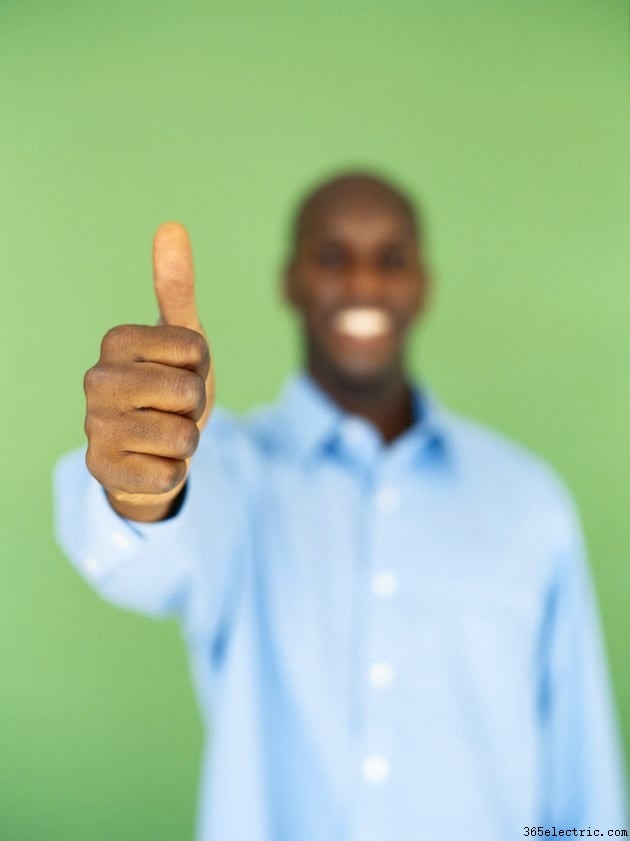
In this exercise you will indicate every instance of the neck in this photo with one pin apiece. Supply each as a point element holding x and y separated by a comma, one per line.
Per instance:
<point>387,403</point>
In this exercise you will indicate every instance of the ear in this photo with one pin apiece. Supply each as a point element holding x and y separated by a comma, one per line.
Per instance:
<point>289,286</point>
<point>425,289</point>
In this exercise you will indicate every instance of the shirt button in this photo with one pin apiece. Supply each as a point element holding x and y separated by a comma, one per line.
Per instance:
<point>380,674</point>
<point>92,566</point>
<point>375,769</point>
<point>384,584</point>
<point>121,540</point>
<point>387,499</point>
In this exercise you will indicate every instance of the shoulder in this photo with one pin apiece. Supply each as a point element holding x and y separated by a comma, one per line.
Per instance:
<point>508,474</point>
<point>477,443</point>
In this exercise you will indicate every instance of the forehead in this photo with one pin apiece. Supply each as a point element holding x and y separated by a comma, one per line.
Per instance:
<point>359,223</point>
<point>359,227</point>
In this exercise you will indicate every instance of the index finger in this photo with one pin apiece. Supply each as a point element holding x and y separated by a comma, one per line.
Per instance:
<point>179,347</point>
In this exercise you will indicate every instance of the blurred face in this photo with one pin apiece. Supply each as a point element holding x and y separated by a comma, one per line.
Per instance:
<point>357,283</point>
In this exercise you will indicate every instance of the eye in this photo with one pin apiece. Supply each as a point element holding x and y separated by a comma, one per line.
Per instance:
<point>393,258</point>
<point>330,256</point>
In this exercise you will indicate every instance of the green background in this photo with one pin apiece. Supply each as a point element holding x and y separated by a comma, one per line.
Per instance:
<point>507,120</point>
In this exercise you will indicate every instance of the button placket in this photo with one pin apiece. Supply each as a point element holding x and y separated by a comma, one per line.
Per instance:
<point>379,673</point>
<point>387,499</point>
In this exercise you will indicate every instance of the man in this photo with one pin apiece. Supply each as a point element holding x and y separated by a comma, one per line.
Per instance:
<point>388,608</point>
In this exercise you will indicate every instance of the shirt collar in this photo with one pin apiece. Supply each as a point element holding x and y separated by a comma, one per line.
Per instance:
<point>313,420</point>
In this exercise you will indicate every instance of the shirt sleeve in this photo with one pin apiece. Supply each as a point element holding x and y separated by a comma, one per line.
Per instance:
<point>583,771</point>
<point>187,566</point>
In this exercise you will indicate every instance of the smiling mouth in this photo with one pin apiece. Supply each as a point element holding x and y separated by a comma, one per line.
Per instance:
<point>363,322</point>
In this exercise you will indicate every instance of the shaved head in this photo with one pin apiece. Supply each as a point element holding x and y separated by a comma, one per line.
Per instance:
<point>355,192</point>
<point>355,276</point>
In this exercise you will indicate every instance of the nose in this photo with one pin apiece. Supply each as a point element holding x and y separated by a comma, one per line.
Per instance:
<point>364,285</point>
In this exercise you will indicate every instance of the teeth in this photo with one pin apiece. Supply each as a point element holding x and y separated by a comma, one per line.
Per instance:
<point>363,322</point>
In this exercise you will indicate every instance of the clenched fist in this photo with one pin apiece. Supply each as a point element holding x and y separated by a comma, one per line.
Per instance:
<point>151,392</point>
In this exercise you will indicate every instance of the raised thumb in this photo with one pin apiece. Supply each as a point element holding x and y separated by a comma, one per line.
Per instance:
<point>174,277</point>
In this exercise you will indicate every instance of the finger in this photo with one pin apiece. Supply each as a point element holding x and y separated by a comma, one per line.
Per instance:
<point>174,277</point>
<point>115,389</point>
<point>159,434</point>
<point>138,473</point>
<point>179,347</point>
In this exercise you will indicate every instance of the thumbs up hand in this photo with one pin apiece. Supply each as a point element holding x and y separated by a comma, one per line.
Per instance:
<point>174,284</point>
<point>151,392</point>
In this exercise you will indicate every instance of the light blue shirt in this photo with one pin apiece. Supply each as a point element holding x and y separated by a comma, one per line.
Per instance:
<point>391,642</point>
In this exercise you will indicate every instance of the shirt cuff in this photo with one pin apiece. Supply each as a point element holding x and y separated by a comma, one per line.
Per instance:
<point>114,542</point>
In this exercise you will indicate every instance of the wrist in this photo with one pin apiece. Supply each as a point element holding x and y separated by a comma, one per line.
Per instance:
<point>147,508</point>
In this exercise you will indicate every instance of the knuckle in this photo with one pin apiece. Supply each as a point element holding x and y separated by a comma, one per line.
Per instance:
<point>189,345</point>
<point>89,460</point>
<point>199,350</point>
<point>170,474</point>
<point>98,379</point>
<point>192,390</point>
<point>93,462</point>
<point>89,379</point>
<point>111,340</point>
<point>89,426</point>
<point>186,438</point>
<point>117,337</point>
